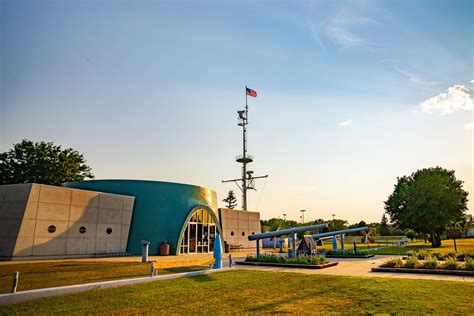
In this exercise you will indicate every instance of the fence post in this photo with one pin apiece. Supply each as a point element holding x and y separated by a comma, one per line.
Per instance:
<point>16,274</point>
<point>230,260</point>
<point>152,268</point>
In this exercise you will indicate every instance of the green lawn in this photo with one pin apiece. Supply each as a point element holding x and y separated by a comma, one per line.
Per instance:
<point>48,274</point>
<point>463,245</point>
<point>246,291</point>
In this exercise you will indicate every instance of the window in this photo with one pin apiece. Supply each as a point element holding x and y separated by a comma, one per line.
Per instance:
<point>109,231</point>
<point>232,233</point>
<point>243,234</point>
<point>52,229</point>
<point>82,230</point>
<point>253,233</point>
<point>200,233</point>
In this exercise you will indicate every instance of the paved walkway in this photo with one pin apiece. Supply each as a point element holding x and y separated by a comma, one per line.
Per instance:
<point>361,267</point>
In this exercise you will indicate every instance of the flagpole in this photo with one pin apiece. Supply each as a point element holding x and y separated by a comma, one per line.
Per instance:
<point>244,149</point>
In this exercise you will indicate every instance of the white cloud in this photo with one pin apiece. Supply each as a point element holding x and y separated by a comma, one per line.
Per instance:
<point>347,123</point>
<point>346,27</point>
<point>472,81</point>
<point>469,126</point>
<point>457,97</point>
<point>414,78</point>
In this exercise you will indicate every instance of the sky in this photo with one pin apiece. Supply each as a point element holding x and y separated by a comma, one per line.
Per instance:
<point>351,94</point>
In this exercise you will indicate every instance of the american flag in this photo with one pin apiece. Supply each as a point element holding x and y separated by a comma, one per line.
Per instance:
<point>251,92</point>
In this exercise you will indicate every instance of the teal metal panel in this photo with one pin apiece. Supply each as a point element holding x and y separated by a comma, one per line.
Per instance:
<point>160,209</point>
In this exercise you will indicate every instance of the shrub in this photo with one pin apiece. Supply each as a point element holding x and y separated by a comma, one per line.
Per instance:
<point>430,263</point>
<point>411,253</point>
<point>438,255</point>
<point>469,263</point>
<point>410,234</point>
<point>421,255</point>
<point>451,264</point>
<point>278,259</point>
<point>411,262</point>
<point>349,252</point>
<point>393,263</point>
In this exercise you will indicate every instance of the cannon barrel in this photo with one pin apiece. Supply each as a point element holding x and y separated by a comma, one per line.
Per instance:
<point>339,232</point>
<point>288,231</point>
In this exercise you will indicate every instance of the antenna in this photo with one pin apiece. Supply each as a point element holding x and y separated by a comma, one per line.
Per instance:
<point>247,180</point>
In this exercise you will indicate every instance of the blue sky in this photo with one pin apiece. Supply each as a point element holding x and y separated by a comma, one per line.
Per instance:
<point>351,94</point>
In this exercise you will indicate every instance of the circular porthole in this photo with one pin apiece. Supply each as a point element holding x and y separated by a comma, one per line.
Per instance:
<point>52,229</point>
<point>109,231</point>
<point>82,230</point>
<point>232,233</point>
<point>243,234</point>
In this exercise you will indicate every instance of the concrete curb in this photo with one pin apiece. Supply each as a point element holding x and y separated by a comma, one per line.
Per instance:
<point>21,296</point>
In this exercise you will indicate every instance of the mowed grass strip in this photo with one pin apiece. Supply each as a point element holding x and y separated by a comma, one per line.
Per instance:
<point>246,291</point>
<point>50,274</point>
<point>463,245</point>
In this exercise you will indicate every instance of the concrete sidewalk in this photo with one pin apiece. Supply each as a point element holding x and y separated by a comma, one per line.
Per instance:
<point>361,267</point>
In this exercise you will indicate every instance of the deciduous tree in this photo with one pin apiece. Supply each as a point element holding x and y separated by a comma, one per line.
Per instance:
<point>428,201</point>
<point>42,162</point>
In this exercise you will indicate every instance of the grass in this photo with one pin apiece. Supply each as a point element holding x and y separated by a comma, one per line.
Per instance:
<point>50,274</point>
<point>465,245</point>
<point>241,292</point>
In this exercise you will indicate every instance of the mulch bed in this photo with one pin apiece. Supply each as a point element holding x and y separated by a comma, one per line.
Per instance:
<point>425,271</point>
<point>288,265</point>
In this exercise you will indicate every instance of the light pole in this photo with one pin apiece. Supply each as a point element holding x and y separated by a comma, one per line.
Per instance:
<point>333,216</point>
<point>302,215</point>
<point>284,217</point>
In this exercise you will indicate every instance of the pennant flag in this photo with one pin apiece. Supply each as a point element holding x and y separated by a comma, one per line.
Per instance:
<point>251,92</point>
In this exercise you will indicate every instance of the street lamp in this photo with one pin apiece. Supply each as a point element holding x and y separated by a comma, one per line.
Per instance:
<point>284,216</point>
<point>302,215</point>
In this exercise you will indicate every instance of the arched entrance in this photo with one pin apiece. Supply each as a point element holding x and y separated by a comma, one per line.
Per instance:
<point>200,232</point>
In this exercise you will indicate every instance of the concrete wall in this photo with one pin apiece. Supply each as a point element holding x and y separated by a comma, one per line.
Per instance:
<point>237,225</point>
<point>81,221</point>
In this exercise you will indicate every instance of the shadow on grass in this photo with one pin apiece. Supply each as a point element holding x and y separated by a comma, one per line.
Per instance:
<point>202,278</point>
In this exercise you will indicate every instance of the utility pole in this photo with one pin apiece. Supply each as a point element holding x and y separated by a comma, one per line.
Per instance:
<point>247,180</point>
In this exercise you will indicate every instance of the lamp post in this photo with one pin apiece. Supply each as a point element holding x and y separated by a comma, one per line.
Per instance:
<point>284,217</point>
<point>302,215</point>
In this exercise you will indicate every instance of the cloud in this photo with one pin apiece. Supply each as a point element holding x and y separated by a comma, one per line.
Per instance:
<point>342,26</point>
<point>347,123</point>
<point>456,98</point>
<point>414,78</point>
<point>472,81</point>
<point>469,126</point>
<point>342,29</point>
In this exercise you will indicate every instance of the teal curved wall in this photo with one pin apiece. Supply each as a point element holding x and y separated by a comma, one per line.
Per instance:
<point>160,210</point>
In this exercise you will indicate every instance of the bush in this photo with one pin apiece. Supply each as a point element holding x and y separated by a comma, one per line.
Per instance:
<point>438,255</point>
<point>410,234</point>
<point>349,252</point>
<point>451,264</point>
<point>278,259</point>
<point>411,262</point>
<point>421,255</point>
<point>469,264</point>
<point>430,263</point>
<point>393,263</point>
